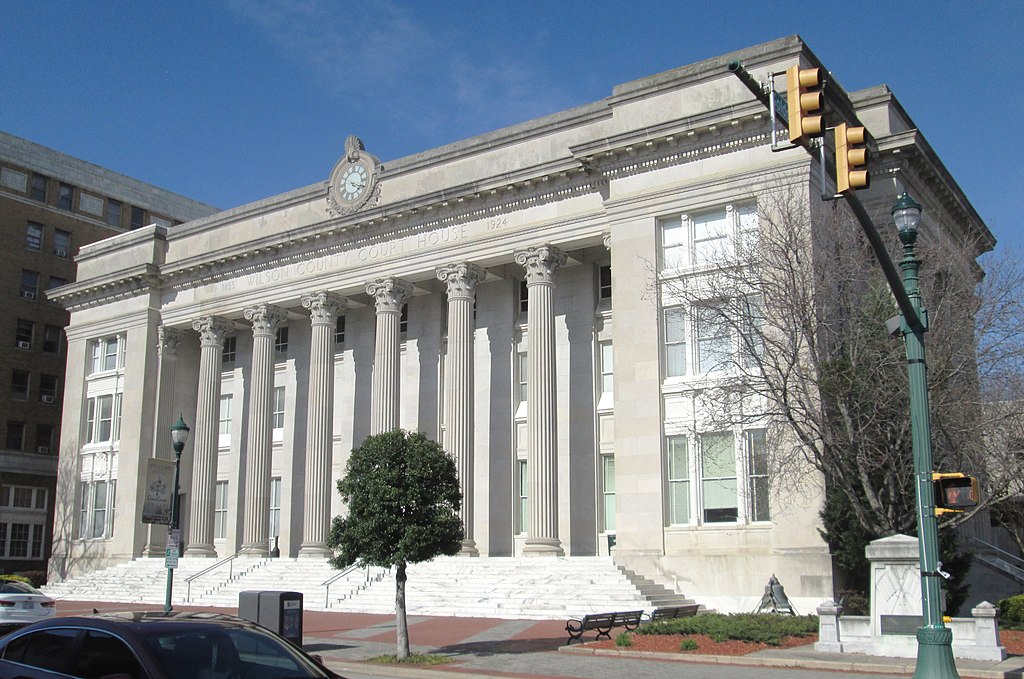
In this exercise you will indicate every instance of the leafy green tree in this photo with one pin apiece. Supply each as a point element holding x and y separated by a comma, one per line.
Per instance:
<point>403,497</point>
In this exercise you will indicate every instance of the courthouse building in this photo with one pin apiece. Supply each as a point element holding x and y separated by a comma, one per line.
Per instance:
<point>498,293</point>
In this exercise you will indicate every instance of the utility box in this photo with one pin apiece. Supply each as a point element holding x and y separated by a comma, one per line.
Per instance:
<point>280,612</point>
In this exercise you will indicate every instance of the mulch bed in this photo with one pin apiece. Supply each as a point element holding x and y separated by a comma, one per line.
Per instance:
<point>1013,640</point>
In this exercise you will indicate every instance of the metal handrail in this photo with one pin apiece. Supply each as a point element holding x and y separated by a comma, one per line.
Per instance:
<point>337,576</point>
<point>1001,551</point>
<point>226,560</point>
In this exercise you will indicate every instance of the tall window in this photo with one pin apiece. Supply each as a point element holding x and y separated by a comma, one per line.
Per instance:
<point>48,388</point>
<point>55,282</point>
<point>29,284</point>
<point>678,480</point>
<point>51,339</point>
<point>15,435</point>
<point>24,333</point>
<point>521,365</point>
<point>751,339</point>
<point>107,354</point>
<point>608,490</point>
<point>61,243</point>
<point>339,330</point>
<point>44,438</point>
<point>224,420</point>
<point>102,420</point>
<point>606,398</point>
<point>674,237</point>
<point>524,297</point>
<point>38,188</point>
<point>718,477</point>
<point>714,342</point>
<point>403,319</point>
<point>230,349</point>
<point>99,509</point>
<point>675,341</point>
<point>34,236</point>
<point>277,419</point>
<point>275,506</point>
<point>220,511</point>
<point>113,213</point>
<point>757,475</point>
<point>710,238</point>
<point>19,385</point>
<point>138,217</point>
<point>522,499</point>
<point>281,340</point>
<point>65,196</point>
<point>604,282</point>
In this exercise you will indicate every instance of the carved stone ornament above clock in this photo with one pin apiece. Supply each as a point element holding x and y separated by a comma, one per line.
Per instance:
<point>354,180</point>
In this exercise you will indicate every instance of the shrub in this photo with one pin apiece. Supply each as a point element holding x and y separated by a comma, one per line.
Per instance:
<point>764,628</point>
<point>624,639</point>
<point>1011,612</point>
<point>688,645</point>
<point>15,578</point>
<point>35,578</point>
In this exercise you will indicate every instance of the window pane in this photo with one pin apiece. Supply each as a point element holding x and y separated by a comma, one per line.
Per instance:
<point>225,415</point>
<point>113,215</point>
<point>718,459</point>
<point>65,194</point>
<point>61,243</point>
<point>714,343</point>
<point>757,460</point>
<point>34,236</point>
<point>524,505</point>
<point>679,485</point>
<point>710,238</point>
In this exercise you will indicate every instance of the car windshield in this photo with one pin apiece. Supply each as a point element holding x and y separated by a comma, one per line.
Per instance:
<point>228,653</point>
<point>14,587</point>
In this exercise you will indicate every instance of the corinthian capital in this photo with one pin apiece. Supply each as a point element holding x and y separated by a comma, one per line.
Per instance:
<point>540,263</point>
<point>264,318</point>
<point>389,294</point>
<point>168,340</point>
<point>212,330</point>
<point>324,307</point>
<point>462,279</point>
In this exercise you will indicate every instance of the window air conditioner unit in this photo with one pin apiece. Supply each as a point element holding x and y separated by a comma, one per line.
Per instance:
<point>28,294</point>
<point>43,449</point>
<point>46,398</point>
<point>60,252</point>
<point>22,344</point>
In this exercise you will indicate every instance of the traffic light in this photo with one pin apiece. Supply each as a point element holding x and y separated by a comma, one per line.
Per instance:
<point>803,87</point>
<point>848,158</point>
<point>955,491</point>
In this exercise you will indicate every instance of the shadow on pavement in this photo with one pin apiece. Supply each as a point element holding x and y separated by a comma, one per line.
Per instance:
<point>506,647</point>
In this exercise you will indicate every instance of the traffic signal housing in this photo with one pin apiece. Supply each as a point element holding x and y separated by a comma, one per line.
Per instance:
<point>849,158</point>
<point>804,98</point>
<point>955,491</point>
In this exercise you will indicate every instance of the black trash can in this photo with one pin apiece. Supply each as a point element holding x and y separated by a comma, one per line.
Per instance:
<point>280,612</point>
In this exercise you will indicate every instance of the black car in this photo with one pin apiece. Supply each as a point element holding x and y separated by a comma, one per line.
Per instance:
<point>153,645</point>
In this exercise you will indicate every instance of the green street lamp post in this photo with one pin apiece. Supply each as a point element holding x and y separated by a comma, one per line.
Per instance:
<point>934,639</point>
<point>179,434</point>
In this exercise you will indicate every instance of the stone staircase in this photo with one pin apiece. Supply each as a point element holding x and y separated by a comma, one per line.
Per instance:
<point>494,587</point>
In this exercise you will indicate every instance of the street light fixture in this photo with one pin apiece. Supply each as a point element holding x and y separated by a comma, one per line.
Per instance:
<point>179,434</point>
<point>934,639</point>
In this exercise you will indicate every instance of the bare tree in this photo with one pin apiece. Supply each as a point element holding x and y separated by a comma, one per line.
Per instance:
<point>790,326</point>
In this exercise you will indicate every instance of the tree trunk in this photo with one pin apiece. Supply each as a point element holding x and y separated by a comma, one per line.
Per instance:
<point>401,626</point>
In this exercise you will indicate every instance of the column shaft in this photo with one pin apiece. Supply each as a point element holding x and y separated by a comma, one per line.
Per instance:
<point>256,528</point>
<point>323,312</point>
<point>462,280</point>
<point>212,332</point>
<point>540,264</point>
<point>389,295</point>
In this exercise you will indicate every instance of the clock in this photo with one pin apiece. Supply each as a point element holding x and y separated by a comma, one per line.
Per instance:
<point>353,183</point>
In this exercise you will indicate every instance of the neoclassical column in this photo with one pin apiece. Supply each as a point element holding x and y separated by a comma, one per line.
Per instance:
<point>256,528</point>
<point>389,294</point>
<point>323,313</point>
<point>168,340</point>
<point>462,280</point>
<point>540,264</point>
<point>212,332</point>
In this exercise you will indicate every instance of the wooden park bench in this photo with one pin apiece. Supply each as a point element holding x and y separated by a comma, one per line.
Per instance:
<point>603,623</point>
<point>669,612</point>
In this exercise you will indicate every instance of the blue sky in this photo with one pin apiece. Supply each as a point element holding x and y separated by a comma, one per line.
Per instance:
<point>230,101</point>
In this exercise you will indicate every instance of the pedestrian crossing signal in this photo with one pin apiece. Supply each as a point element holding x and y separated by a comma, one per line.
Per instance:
<point>955,491</point>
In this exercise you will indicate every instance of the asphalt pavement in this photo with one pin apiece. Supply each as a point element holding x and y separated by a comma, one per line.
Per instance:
<point>530,649</point>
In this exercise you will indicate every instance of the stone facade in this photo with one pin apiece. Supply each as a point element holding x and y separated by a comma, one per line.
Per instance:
<point>498,294</point>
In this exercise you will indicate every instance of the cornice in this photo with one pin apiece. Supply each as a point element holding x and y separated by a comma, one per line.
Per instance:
<point>107,288</point>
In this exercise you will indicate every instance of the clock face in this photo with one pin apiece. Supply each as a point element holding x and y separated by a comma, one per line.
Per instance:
<point>355,180</point>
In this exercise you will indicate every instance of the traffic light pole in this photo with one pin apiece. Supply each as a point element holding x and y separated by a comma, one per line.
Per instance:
<point>934,639</point>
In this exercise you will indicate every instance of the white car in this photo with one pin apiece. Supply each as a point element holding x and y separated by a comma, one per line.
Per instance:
<point>21,604</point>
